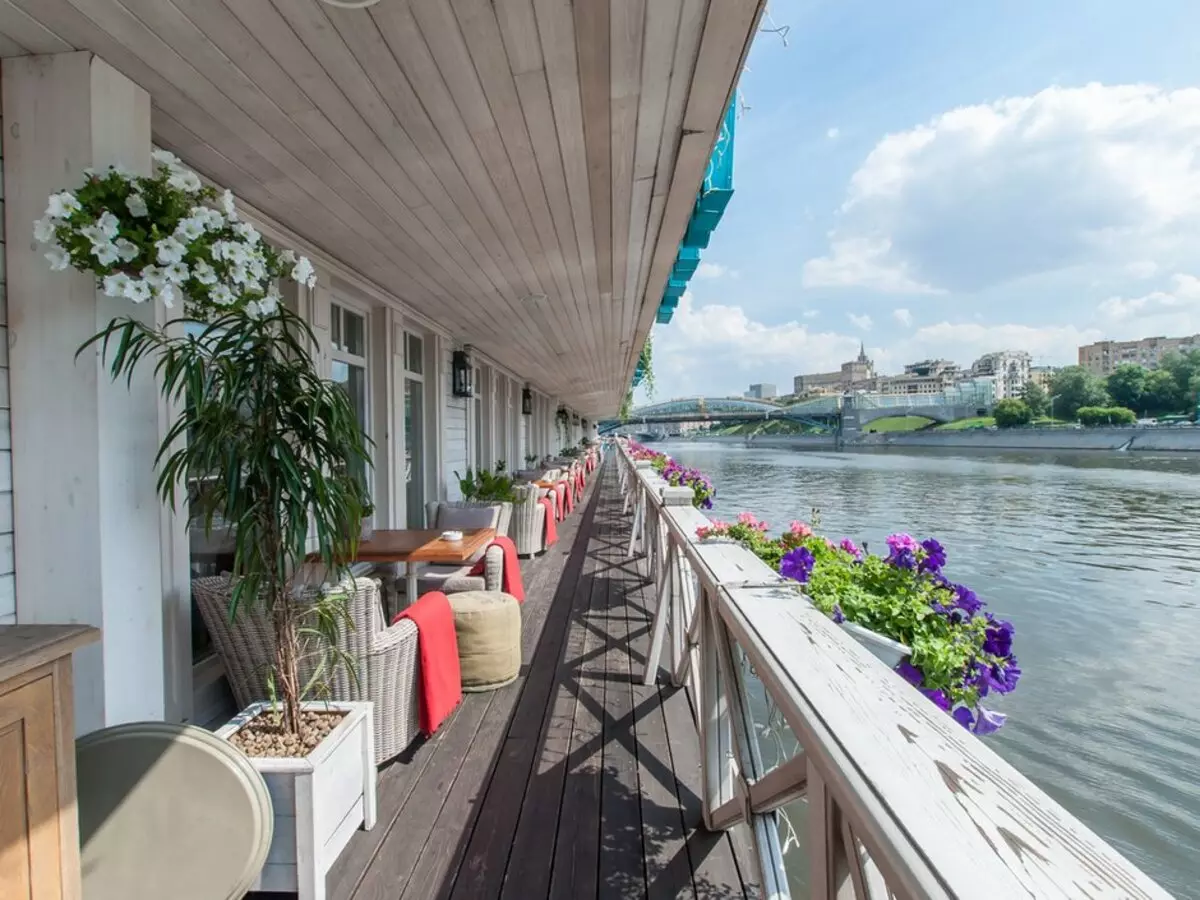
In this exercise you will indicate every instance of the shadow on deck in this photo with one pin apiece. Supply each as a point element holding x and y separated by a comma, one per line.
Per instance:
<point>576,781</point>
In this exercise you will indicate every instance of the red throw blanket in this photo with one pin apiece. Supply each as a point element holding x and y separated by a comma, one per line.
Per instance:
<point>580,484</point>
<point>510,577</point>
<point>551,529</point>
<point>441,677</point>
<point>568,492</point>
<point>560,491</point>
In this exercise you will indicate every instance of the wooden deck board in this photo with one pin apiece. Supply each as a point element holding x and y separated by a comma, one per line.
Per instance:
<point>576,781</point>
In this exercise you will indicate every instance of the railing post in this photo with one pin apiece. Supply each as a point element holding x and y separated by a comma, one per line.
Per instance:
<point>714,719</point>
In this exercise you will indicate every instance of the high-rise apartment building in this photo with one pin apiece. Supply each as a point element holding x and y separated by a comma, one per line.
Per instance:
<point>1009,368</point>
<point>1102,357</point>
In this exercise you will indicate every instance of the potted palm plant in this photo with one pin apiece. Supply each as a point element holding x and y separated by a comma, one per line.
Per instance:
<point>281,455</point>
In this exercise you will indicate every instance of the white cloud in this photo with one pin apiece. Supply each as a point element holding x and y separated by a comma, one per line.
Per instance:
<point>714,270</point>
<point>863,321</point>
<point>903,316</point>
<point>811,313</point>
<point>833,133</point>
<point>1142,268</point>
<point>985,194</point>
<point>1174,311</point>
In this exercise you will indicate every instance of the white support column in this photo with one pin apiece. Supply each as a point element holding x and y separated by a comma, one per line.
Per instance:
<point>93,544</point>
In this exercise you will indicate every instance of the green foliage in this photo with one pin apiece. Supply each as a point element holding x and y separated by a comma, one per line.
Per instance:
<point>646,358</point>
<point>1105,415</point>
<point>1162,394</point>
<point>1126,385</point>
<point>1074,387</point>
<point>280,454</point>
<point>1012,413</point>
<point>487,487</point>
<point>626,406</point>
<point>1035,398</point>
<point>530,458</point>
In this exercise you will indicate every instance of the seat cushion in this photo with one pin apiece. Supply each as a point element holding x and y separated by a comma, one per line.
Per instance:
<point>488,627</point>
<point>448,579</point>
<point>465,518</point>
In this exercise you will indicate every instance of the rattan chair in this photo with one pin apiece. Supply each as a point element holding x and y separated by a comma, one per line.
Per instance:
<point>529,520</point>
<point>386,665</point>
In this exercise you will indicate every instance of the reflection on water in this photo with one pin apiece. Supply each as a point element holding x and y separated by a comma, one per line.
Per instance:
<point>1096,560</point>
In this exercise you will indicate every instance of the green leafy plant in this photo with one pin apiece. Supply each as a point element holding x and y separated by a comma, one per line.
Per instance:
<point>487,487</point>
<point>277,448</point>
<point>530,458</point>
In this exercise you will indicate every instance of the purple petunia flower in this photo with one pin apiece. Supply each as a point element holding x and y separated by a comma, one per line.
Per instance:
<point>939,697</point>
<point>909,672</point>
<point>963,716</point>
<point>966,600</point>
<point>797,564</point>
<point>903,559</point>
<point>999,638</point>
<point>838,615</point>
<point>935,556</point>
<point>988,722</point>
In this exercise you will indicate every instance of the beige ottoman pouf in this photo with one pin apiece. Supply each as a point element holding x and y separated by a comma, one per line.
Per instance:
<point>488,626</point>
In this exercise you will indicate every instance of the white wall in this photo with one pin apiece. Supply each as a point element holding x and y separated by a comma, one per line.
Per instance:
<point>454,428</point>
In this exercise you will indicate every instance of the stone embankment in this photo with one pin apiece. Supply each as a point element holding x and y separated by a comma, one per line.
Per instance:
<point>1161,439</point>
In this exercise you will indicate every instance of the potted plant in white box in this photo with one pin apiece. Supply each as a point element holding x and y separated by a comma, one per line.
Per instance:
<point>276,447</point>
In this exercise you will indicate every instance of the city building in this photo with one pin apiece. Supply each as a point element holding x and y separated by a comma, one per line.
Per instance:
<point>761,392</point>
<point>1102,357</point>
<point>1009,368</point>
<point>1042,376</point>
<point>857,374</point>
<point>929,376</point>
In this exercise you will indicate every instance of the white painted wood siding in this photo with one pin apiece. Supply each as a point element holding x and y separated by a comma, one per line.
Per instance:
<point>454,429</point>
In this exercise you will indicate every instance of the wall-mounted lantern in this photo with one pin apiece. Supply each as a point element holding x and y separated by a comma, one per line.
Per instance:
<point>526,402</point>
<point>462,374</point>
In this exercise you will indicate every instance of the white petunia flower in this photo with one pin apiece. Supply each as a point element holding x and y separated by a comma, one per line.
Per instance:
<point>312,281</point>
<point>189,229</point>
<point>127,250</point>
<point>109,224</point>
<point>248,232</point>
<point>177,273</point>
<point>227,204</point>
<point>185,180</point>
<point>204,273</point>
<point>154,276</point>
<point>212,219</point>
<point>137,291</point>
<point>257,267</point>
<point>268,304</point>
<point>239,274</point>
<point>106,254</point>
<point>236,253</point>
<point>62,205</point>
<point>302,271</point>
<point>288,257</point>
<point>166,295</point>
<point>136,204</point>
<point>44,230</point>
<point>116,285</point>
<point>253,309</point>
<point>94,233</point>
<point>221,295</point>
<point>166,157</point>
<point>59,258</point>
<point>170,251</point>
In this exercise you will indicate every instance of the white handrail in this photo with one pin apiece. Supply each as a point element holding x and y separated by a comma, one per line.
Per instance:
<point>902,801</point>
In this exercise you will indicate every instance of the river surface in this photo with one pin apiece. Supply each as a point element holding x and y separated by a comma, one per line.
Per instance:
<point>1094,557</point>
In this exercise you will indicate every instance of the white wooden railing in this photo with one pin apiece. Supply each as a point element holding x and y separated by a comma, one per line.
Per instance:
<point>902,802</point>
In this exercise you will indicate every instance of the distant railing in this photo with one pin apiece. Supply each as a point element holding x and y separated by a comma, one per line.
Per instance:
<point>902,802</point>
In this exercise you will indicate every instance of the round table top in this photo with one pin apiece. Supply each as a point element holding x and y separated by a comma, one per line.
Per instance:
<point>169,811</point>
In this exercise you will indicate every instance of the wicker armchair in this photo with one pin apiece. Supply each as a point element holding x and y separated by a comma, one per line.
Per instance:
<point>386,664</point>
<point>529,520</point>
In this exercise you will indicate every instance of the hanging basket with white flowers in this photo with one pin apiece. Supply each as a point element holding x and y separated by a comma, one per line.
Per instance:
<point>168,238</point>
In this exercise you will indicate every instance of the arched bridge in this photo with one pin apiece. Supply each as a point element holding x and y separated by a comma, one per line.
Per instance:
<point>850,412</point>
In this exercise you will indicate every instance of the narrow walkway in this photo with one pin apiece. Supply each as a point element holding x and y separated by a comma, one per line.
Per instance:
<point>574,782</point>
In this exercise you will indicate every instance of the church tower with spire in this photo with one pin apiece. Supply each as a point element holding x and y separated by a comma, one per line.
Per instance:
<point>858,373</point>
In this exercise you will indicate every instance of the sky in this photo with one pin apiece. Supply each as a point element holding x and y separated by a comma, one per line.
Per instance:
<point>940,179</point>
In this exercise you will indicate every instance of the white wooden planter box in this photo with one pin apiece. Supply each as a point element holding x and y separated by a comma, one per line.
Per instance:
<point>890,652</point>
<point>319,800</point>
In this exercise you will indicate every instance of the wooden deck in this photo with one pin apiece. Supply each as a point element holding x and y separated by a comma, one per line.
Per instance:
<point>574,782</point>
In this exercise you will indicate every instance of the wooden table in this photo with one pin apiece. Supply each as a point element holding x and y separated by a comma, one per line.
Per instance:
<point>413,547</point>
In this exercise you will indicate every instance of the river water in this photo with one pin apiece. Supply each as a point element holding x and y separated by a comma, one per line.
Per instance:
<point>1095,558</point>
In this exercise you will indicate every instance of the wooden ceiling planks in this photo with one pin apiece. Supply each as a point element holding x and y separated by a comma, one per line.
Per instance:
<point>506,167</point>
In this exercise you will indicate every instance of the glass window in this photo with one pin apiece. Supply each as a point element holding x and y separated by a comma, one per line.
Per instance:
<point>414,469</point>
<point>414,354</point>
<point>348,342</point>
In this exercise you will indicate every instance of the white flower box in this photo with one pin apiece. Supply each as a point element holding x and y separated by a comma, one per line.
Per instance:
<point>319,800</point>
